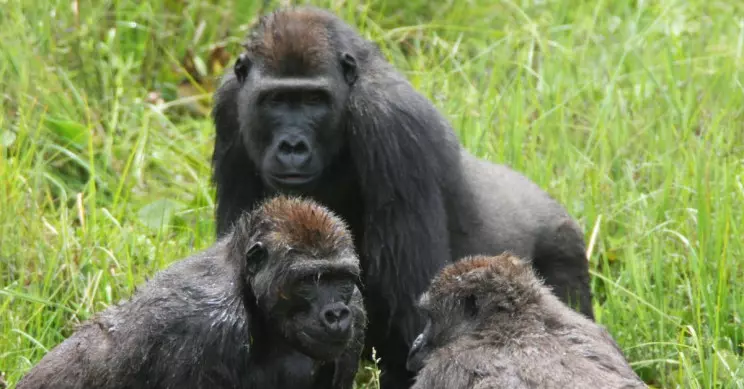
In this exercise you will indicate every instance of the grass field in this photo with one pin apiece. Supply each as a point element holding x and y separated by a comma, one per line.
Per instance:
<point>629,113</point>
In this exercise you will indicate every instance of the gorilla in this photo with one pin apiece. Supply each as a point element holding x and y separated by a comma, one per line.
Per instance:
<point>273,304</point>
<point>493,324</point>
<point>311,108</point>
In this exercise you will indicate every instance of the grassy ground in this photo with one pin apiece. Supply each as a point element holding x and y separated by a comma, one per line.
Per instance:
<point>628,112</point>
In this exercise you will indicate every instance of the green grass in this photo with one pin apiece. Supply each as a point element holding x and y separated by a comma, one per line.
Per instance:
<point>628,112</point>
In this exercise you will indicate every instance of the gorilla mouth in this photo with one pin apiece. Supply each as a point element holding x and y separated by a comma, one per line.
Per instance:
<point>292,179</point>
<point>322,346</point>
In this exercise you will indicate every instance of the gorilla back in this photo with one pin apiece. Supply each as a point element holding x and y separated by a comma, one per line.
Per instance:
<point>313,108</point>
<point>493,324</point>
<point>271,305</point>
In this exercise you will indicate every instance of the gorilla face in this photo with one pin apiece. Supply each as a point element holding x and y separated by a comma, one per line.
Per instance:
<point>318,316</point>
<point>308,300</point>
<point>296,119</point>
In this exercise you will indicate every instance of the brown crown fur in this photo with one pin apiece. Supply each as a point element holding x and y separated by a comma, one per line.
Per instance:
<point>304,225</point>
<point>505,273</point>
<point>298,36</point>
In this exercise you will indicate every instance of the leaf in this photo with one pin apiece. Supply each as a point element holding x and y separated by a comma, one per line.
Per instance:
<point>159,213</point>
<point>189,66</point>
<point>200,67</point>
<point>201,78</point>
<point>218,59</point>
<point>187,90</point>
<point>7,138</point>
<point>732,365</point>
<point>72,132</point>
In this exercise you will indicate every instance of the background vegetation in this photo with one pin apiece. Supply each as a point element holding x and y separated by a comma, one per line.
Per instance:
<point>628,112</point>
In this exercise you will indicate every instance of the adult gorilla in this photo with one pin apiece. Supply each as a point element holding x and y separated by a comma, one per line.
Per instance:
<point>313,108</point>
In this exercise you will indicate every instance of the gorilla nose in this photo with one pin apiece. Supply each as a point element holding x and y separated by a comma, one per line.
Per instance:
<point>336,317</point>
<point>293,152</point>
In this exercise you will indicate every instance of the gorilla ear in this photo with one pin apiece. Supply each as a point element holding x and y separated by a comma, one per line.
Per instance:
<point>349,67</point>
<point>471,305</point>
<point>242,67</point>
<point>255,256</point>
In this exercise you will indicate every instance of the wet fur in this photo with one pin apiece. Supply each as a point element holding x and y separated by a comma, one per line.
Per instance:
<point>414,198</point>
<point>521,337</point>
<point>196,324</point>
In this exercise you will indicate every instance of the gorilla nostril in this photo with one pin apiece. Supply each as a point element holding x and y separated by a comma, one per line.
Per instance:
<point>301,147</point>
<point>333,316</point>
<point>293,152</point>
<point>336,317</point>
<point>285,147</point>
<point>294,146</point>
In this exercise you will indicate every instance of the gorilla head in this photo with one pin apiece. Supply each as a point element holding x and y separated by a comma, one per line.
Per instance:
<point>292,114</point>
<point>301,270</point>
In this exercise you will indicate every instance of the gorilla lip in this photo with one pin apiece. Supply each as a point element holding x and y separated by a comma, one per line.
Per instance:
<point>292,179</point>
<point>333,344</point>
<point>322,337</point>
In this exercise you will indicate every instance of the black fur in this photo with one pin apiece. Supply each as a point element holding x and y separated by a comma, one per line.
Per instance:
<point>210,321</point>
<point>493,324</point>
<point>414,198</point>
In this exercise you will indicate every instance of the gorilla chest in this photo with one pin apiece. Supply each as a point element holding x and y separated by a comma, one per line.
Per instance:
<point>293,370</point>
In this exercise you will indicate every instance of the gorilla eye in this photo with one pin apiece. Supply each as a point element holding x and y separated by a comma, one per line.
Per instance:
<point>310,279</point>
<point>270,98</point>
<point>346,289</point>
<point>314,97</point>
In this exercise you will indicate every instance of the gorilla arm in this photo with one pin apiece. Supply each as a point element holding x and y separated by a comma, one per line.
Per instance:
<point>78,362</point>
<point>145,335</point>
<point>402,150</point>
<point>229,160</point>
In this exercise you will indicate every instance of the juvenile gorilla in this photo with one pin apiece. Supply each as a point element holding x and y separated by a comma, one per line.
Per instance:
<point>493,324</point>
<point>274,304</point>
<point>313,108</point>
